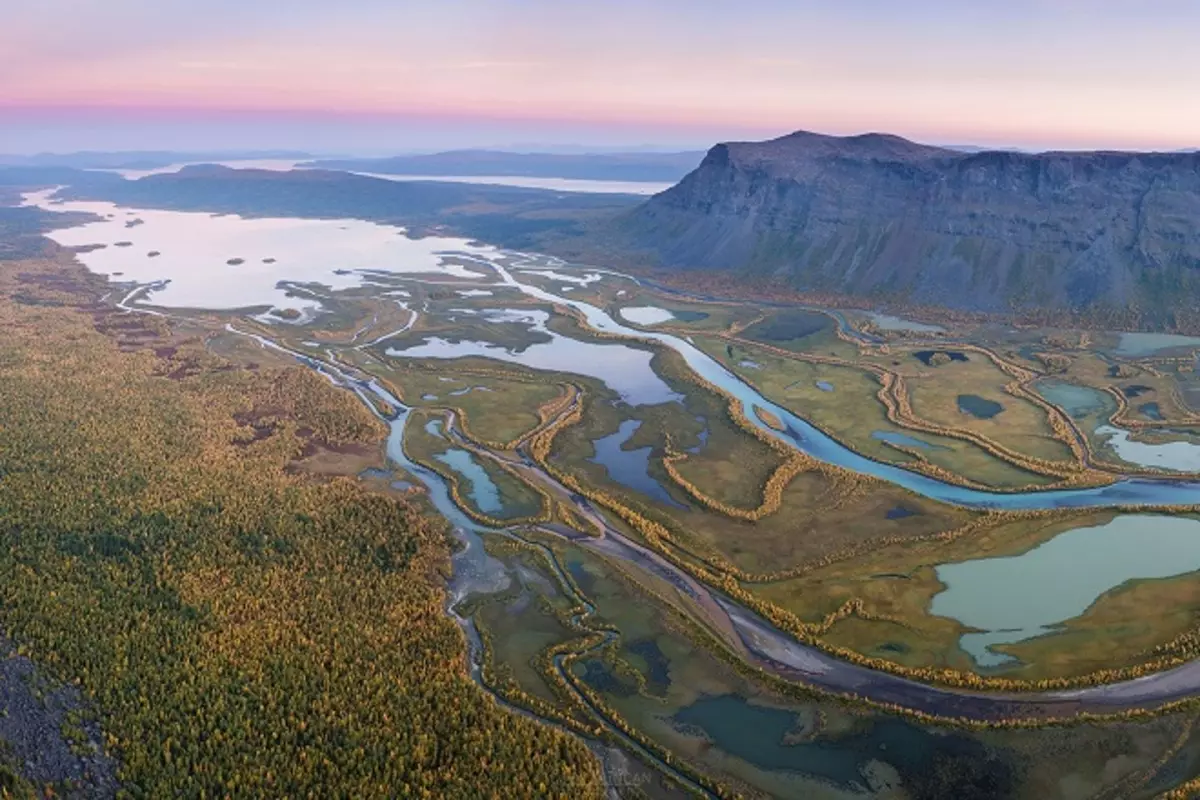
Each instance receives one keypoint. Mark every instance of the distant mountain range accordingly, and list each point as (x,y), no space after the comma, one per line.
(144,159)
(1112,236)
(661,167)
(881,216)
(508,216)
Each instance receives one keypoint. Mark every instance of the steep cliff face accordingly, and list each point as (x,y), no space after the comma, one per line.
(879,215)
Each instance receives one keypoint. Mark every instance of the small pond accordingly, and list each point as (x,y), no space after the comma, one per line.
(1176,456)
(900,512)
(825,386)
(978,407)
(1151,411)
(646,315)
(630,467)
(886,322)
(1144,344)
(787,326)
(1013,598)
(926,356)
(1078,401)
(782,740)
(658,666)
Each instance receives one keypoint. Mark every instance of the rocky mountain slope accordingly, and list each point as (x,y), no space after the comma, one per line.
(881,216)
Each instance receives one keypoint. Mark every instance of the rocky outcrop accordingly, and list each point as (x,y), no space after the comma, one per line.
(881,216)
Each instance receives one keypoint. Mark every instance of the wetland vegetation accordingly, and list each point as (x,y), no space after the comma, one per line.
(455,528)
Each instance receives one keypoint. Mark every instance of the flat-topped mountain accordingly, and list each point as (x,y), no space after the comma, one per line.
(878,215)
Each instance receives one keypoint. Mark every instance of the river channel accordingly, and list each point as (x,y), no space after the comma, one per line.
(749,634)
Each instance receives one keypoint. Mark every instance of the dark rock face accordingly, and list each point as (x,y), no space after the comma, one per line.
(879,215)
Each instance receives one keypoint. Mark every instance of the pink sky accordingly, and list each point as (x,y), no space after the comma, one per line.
(369,74)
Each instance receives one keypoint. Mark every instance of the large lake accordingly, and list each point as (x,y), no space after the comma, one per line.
(194,250)
(1014,598)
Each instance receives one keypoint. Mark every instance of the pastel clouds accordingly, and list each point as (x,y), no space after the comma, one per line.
(1036,72)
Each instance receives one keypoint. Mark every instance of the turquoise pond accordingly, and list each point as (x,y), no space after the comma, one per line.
(482,491)
(1013,598)
(1144,344)
(1078,401)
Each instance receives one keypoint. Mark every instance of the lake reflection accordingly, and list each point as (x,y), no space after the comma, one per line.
(196,251)
(630,467)
(1018,597)
(482,491)
(626,370)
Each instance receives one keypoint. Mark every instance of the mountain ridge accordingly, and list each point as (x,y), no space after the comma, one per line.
(880,216)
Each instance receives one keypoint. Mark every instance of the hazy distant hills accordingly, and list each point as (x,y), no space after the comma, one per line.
(144,159)
(504,215)
(882,216)
(663,167)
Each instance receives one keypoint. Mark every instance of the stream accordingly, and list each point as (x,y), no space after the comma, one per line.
(755,638)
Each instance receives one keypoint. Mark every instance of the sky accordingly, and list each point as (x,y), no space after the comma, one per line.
(379,76)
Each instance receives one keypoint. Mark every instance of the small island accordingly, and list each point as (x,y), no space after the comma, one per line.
(268,261)
(123,244)
(133,223)
(153,254)
(285,313)
(236,262)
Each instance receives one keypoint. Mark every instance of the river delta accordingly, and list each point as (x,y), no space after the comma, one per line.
(775,551)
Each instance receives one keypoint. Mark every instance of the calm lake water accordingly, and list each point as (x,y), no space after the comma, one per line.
(978,407)
(482,491)
(553,184)
(1177,456)
(646,315)
(574,185)
(1018,597)
(777,739)
(195,250)
(887,322)
(1143,344)
(630,467)
(1078,401)
(625,370)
